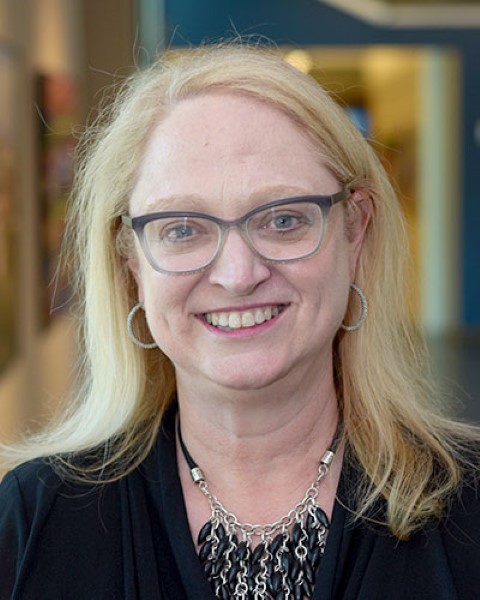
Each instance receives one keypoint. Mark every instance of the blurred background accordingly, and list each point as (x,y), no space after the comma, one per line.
(407,71)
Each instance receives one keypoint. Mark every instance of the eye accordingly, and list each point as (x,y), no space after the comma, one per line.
(178,232)
(185,231)
(284,222)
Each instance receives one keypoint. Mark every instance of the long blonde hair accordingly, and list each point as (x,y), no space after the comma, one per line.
(409,453)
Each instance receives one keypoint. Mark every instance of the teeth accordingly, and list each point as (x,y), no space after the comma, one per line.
(248,320)
(223,319)
(234,320)
(238,320)
(259,316)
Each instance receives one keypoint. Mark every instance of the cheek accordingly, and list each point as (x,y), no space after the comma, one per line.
(324,283)
(166,300)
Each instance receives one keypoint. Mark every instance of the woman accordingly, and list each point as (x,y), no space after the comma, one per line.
(230,228)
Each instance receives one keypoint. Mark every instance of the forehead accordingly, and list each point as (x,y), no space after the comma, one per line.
(210,120)
(219,145)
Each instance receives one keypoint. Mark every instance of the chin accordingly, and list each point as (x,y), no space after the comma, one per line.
(246,375)
(245,384)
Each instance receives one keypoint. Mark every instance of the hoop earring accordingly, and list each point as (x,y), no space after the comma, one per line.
(131,334)
(363,316)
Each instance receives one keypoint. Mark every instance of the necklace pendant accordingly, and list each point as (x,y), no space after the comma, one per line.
(284,562)
(283,566)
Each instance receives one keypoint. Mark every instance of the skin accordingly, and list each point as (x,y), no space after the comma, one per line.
(258,407)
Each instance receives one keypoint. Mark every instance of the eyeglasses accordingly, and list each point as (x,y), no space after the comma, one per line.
(282,231)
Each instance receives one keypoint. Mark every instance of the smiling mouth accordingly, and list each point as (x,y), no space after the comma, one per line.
(228,321)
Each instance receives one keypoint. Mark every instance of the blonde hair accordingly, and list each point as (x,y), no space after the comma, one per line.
(408,452)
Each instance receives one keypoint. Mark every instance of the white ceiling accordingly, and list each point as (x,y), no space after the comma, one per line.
(413,13)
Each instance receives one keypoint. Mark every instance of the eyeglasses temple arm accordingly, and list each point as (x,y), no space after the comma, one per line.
(339,196)
(127,220)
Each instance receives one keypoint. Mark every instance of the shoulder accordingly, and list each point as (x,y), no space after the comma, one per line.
(40,512)
(30,474)
(27,486)
(35,498)
(462,517)
(37,484)
(26,495)
(461,538)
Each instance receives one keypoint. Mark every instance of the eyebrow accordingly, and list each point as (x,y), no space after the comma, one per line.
(195,202)
(171,202)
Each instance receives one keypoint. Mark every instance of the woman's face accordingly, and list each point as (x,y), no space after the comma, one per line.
(225,154)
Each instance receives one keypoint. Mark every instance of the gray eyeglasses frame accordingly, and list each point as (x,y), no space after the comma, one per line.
(138,225)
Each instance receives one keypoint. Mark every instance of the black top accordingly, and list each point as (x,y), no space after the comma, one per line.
(129,540)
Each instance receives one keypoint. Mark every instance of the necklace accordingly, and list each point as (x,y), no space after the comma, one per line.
(283,565)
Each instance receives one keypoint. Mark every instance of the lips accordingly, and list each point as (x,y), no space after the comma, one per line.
(242,319)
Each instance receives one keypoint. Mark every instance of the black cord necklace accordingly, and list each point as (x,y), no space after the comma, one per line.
(284,563)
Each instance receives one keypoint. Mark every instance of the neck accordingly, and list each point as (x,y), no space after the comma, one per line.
(259,450)
(251,424)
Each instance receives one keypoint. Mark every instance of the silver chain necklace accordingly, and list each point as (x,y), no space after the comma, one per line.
(284,563)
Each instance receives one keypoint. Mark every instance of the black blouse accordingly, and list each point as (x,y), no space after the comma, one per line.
(130,540)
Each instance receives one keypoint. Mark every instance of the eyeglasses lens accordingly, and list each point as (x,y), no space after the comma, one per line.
(181,243)
(286,232)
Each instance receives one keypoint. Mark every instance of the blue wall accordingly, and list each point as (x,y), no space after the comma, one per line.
(303,22)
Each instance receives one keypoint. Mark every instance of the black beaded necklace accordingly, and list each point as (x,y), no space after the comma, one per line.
(284,563)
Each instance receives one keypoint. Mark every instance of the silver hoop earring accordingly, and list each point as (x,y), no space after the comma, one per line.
(363,316)
(131,335)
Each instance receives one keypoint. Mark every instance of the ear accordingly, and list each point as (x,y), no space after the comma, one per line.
(361,209)
(134,268)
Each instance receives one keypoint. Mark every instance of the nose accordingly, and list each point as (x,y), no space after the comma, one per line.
(237,268)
